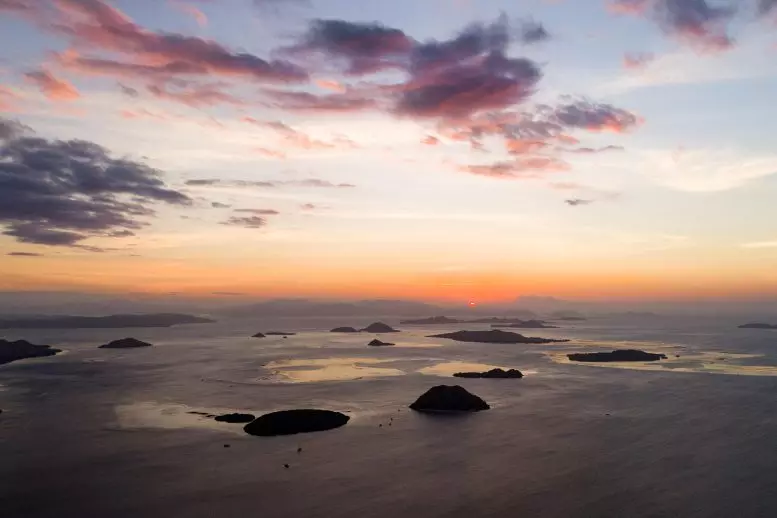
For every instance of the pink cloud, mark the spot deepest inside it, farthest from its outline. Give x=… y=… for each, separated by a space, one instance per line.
x=637 y=60
x=200 y=17
x=521 y=168
x=430 y=140
x=331 y=85
x=52 y=87
x=269 y=153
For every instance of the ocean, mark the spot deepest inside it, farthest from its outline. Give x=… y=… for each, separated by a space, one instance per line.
x=112 y=433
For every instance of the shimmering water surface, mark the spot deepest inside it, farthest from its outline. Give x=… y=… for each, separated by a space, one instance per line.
x=126 y=433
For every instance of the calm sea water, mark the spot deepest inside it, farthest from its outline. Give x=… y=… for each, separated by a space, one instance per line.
x=109 y=433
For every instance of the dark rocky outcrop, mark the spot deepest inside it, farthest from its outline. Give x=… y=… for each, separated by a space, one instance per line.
x=618 y=355
x=258 y=335
x=757 y=325
x=289 y=422
x=344 y=330
x=125 y=343
x=446 y=398
x=431 y=321
x=379 y=327
x=492 y=374
x=21 y=349
x=106 y=322
x=378 y=343
x=495 y=336
x=491 y=320
x=528 y=324
x=235 y=418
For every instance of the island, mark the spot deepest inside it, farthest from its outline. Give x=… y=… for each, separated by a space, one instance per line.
x=379 y=327
x=258 y=335
x=572 y=319
x=757 y=325
x=618 y=355
x=235 y=418
x=528 y=324
x=491 y=320
x=431 y=321
x=378 y=343
x=492 y=374
x=125 y=343
x=344 y=330
x=105 y=322
x=289 y=422
x=495 y=336
x=446 y=398
x=21 y=349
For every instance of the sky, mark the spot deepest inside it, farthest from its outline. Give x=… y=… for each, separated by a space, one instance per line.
x=440 y=150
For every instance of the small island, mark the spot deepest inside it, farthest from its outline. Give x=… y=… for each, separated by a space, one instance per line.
x=235 y=418
x=378 y=343
x=757 y=325
x=106 y=322
x=492 y=374
x=431 y=321
x=495 y=336
x=446 y=398
x=491 y=320
x=125 y=343
x=21 y=349
x=258 y=335
x=289 y=422
x=344 y=330
x=618 y=355
x=527 y=324
x=379 y=327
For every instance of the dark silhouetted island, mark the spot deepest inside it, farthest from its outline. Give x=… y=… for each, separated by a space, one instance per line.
x=618 y=355
x=379 y=327
x=378 y=343
x=528 y=324
x=21 y=349
x=431 y=321
x=258 y=335
x=344 y=330
x=289 y=422
x=125 y=343
x=235 y=418
x=446 y=398
x=495 y=336
x=106 y=322
x=572 y=319
x=491 y=320
x=757 y=325
x=492 y=374
x=279 y=333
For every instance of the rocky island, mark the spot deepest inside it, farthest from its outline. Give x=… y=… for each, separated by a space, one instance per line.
x=289 y=422
x=21 y=349
x=495 y=336
x=492 y=374
x=431 y=321
x=446 y=398
x=235 y=418
x=618 y=355
x=125 y=343
x=757 y=325
x=105 y=322
x=258 y=335
x=378 y=343
x=528 y=324
x=379 y=327
x=344 y=330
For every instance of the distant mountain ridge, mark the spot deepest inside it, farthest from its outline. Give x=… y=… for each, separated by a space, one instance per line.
x=104 y=322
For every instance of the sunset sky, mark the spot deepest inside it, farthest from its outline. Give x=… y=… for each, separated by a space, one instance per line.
x=439 y=149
